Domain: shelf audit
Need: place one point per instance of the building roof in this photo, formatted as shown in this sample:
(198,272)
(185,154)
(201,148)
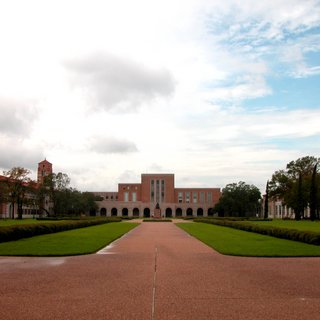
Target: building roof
(45,161)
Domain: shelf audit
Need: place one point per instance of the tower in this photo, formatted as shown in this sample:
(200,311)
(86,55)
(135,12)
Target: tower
(44,169)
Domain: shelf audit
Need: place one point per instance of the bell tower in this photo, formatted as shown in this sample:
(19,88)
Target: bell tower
(44,169)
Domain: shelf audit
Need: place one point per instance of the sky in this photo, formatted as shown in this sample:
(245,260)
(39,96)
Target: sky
(213,91)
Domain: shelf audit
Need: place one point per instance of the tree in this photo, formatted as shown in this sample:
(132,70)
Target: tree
(293,184)
(56,186)
(239,199)
(18,185)
(266,202)
(313,195)
(66,200)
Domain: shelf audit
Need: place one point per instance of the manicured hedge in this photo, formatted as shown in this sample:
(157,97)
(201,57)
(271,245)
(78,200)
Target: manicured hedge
(309,237)
(157,220)
(17,232)
(238,218)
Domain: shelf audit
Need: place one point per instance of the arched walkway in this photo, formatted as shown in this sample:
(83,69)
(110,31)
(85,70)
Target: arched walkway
(189,212)
(210,212)
(114,211)
(178,212)
(103,212)
(146,212)
(169,212)
(200,212)
(125,212)
(136,212)
(93,212)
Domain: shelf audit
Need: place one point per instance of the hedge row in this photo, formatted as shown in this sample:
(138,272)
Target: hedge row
(157,220)
(238,218)
(309,237)
(17,232)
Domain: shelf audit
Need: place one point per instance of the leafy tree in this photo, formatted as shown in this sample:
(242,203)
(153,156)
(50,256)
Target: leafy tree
(67,200)
(18,185)
(56,186)
(239,199)
(293,184)
(266,202)
(313,195)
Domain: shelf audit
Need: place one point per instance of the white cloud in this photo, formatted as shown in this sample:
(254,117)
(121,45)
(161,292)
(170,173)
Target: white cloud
(186,70)
(114,82)
(107,145)
(16,152)
(17,116)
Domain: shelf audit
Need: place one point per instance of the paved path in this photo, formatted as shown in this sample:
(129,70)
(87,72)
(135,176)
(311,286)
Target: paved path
(159,272)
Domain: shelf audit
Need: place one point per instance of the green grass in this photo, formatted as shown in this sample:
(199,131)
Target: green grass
(73,242)
(14,222)
(241,243)
(302,225)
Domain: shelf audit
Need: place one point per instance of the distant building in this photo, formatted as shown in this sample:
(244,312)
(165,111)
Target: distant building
(133,199)
(31,209)
(277,209)
(140,199)
(44,169)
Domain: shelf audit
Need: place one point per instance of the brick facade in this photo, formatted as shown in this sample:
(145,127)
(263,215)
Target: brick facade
(140,199)
(31,209)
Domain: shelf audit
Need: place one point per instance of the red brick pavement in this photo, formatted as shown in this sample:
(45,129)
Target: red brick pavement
(159,272)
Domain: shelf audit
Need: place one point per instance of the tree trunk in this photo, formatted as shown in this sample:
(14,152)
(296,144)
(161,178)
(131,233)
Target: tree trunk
(20,210)
(12,208)
(313,195)
(266,202)
(300,208)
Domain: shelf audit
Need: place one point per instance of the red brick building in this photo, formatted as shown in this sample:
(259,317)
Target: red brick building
(31,209)
(140,199)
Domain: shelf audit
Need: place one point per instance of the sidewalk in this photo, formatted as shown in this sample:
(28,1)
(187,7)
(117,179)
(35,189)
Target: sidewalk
(157,271)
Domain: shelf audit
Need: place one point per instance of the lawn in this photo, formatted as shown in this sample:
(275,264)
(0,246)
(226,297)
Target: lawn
(304,225)
(241,243)
(13,222)
(73,242)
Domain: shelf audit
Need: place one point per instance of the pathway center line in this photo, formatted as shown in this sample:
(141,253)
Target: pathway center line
(154,284)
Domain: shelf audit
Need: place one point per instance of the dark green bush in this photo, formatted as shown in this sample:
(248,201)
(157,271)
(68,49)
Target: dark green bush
(157,220)
(17,232)
(309,237)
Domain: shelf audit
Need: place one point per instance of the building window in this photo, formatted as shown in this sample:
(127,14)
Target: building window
(152,190)
(134,196)
(187,197)
(180,197)
(162,190)
(209,197)
(201,197)
(157,191)
(126,196)
(194,197)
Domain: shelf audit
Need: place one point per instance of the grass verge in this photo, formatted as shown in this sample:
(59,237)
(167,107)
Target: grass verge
(73,242)
(241,243)
(17,222)
(303,225)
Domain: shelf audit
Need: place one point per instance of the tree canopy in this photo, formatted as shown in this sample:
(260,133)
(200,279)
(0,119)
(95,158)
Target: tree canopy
(294,184)
(17,185)
(239,199)
(66,200)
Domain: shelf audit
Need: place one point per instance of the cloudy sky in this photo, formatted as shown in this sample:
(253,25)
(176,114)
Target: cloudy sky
(213,91)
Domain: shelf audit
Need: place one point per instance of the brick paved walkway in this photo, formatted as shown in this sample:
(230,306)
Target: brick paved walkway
(159,272)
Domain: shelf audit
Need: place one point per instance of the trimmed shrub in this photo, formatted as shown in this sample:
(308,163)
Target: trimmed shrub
(17,232)
(157,220)
(309,237)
